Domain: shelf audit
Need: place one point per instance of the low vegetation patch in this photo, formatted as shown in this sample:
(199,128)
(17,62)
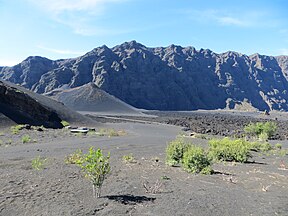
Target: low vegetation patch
(262,130)
(193,159)
(129,158)
(111,132)
(278,146)
(38,163)
(65,123)
(229,150)
(74,158)
(26,138)
(16,129)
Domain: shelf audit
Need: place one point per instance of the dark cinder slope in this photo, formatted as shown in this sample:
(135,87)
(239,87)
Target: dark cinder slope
(90,98)
(164,78)
(25,107)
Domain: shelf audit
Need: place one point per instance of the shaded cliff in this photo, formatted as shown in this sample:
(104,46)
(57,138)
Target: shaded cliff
(25,107)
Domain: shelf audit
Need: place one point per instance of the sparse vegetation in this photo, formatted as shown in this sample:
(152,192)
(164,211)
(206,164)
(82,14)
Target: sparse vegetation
(38,163)
(278,146)
(26,138)
(259,146)
(16,129)
(129,158)
(229,150)
(110,132)
(154,188)
(95,166)
(74,158)
(65,123)
(175,151)
(195,160)
(261,129)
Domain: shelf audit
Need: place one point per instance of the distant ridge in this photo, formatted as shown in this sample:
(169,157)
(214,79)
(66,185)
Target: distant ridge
(164,78)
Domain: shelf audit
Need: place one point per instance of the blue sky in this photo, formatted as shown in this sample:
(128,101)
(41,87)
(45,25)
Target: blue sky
(69,28)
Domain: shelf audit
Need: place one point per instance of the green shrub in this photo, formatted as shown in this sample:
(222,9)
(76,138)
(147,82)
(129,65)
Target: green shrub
(38,163)
(195,160)
(95,166)
(15,129)
(260,147)
(65,123)
(26,138)
(256,129)
(278,146)
(229,150)
(175,151)
(74,158)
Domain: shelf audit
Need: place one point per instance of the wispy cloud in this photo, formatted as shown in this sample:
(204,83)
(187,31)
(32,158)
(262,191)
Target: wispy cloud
(81,16)
(63,52)
(228,18)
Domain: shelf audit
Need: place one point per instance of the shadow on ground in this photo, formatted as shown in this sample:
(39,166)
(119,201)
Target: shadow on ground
(129,199)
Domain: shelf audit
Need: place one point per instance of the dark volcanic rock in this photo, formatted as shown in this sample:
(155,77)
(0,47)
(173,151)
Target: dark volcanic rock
(165,78)
(23,109)
(26,107)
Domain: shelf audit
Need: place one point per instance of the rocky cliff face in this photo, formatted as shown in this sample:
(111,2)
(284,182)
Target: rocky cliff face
(164,78)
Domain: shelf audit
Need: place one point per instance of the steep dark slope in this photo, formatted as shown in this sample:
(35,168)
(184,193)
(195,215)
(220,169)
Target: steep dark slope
(165,78)
(25,107)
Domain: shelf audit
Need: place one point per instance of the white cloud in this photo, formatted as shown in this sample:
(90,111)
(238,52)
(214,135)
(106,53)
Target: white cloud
(63,52)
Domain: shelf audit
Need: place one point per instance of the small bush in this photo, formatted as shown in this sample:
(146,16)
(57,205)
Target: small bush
(38,163)
(95,166)
(112,132)
(16,129)
(229,150)
(175,151)
(195,160)
(74,158)
(260,147)
(129,158)
(256,129)
(278,146)
(26,138)
(65,123)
